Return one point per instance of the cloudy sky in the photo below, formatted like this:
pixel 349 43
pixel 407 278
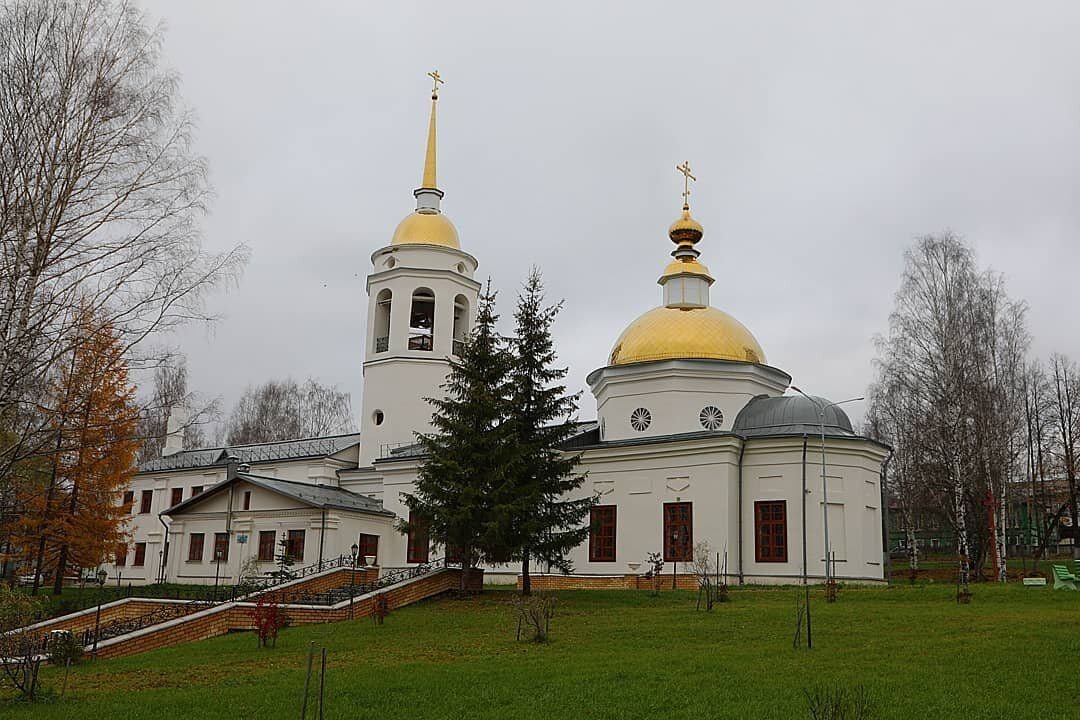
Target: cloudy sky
pixel 825 137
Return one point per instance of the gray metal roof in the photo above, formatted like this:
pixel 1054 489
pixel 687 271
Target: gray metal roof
pixel 790 415
pixel 260 452
pixel 320 496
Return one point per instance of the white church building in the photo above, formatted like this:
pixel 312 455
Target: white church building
pixel 696 439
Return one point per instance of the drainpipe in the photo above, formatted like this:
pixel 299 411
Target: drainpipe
pixel 322 538
pixel 232 466
pixel 742 449
pixel 885 518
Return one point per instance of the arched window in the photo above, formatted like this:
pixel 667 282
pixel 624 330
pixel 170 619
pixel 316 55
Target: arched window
pixel 382 320
pixel 422 319
pixel 461 323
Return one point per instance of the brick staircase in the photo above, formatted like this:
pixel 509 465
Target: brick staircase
pixel 232 616
pixel 135 625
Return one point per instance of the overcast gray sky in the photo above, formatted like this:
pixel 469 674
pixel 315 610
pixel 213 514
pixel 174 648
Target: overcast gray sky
pixel 825 137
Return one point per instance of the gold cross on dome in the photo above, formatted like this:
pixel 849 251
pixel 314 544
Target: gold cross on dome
pixel 687 177
pixel 434 75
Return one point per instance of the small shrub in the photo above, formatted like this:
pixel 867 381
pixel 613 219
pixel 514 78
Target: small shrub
pixel 712 587
pixel 64 648
pixel 837 703
pixel 20 658
pixel 655 571
pixel 380 608
pixel 534 613
pixel 249 571
pixel 269 620
pixel 830 591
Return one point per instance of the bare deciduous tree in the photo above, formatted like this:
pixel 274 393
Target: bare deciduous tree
pixel 171 392
pixel 1042 502
pixel 949 396
pixel 285 410
pixel 1065 406
pixel 100 198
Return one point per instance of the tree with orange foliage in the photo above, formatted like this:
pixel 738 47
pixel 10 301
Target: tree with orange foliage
pixel 74 517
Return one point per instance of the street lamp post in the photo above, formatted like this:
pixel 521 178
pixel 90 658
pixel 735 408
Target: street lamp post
pixel 101 576
pixel 352 586
pixel 822 407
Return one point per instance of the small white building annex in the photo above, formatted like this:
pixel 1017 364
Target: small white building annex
pixel 694 440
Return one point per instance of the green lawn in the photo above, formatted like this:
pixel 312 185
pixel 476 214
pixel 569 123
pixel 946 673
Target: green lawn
pixel 1012 653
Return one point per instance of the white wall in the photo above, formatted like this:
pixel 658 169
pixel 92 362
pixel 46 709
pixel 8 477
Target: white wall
pixel 397 380
pixel 146 527
pixel 270 512
pixel 675 392
pixel 640 478
pixel 772 470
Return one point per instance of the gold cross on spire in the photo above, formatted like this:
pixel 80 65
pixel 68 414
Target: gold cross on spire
pixel 434 75
pixel 687 177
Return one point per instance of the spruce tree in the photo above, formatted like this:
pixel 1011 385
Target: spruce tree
pixel 467 451
pixel 534 515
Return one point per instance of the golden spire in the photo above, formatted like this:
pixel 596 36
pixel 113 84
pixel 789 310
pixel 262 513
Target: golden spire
pixel 429 159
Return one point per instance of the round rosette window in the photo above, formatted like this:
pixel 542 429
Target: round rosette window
pixel 640 419
pixel 711 418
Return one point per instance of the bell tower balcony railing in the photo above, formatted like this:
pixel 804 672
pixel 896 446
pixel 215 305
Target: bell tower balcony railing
pixel 420 342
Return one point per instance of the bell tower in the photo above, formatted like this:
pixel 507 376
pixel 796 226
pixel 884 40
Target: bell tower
pixel 421 306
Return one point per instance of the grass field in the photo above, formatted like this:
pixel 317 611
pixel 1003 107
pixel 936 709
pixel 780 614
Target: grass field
pixel 1012 653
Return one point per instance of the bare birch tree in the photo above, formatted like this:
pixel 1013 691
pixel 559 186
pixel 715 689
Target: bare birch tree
pixel 101 195
pixel 949 395
pixel 100 198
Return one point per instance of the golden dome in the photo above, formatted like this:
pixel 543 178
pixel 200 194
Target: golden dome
pixel 686 229
pixel 691 266
pixel 666 333
pixel 420 228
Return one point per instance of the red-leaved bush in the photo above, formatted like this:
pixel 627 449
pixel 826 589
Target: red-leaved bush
pixel 268 619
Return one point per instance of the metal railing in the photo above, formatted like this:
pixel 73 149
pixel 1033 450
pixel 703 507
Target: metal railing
pixel 196 597
pixel 348 591
pixel 382 344
pixel 288 574
pixel 458 347
pixel 123 626
pixel 387 449
pixel 420 342
pixel 211 596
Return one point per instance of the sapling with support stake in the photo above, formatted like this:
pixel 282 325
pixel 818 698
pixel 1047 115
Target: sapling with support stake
pixel 708 577
pixel 801 606
pixel 655 571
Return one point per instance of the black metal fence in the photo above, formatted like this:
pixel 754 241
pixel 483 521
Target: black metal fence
pixel 350 590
